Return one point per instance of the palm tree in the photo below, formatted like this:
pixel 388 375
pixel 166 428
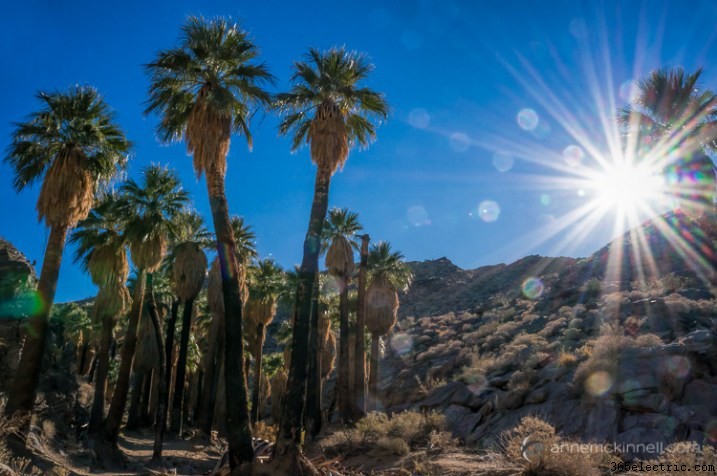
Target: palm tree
pixel 327 109
pixel 102 251
pixel 266 282
pixel 339 239
pixel 150 208
pixel 204 90
pixel 388 274
pixel 245 252
pixel 72 145
pixel 360 371
pixel 189 269
pixel 676 122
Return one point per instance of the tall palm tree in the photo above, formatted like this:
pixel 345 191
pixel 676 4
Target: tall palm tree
pixel 245 252
pixel 327 109
pixel 339 239
pixel 265 285
pixel 675 121
pixel 189 269
pixel 101 250
pixel 204 91
pixel 150 208
pixel 72 145
pixel 387 274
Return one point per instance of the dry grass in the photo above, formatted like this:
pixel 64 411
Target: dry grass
pixel 396 435
pixel 535 446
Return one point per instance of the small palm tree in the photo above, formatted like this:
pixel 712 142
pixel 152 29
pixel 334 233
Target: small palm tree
pixel 101 250
pixel 327 109
pixel 72 145
pixel 339 240
pixel 266 280
pixel 204 91
pixel 189 270
pixel 676 121
pixel 150 208
pixel 387 274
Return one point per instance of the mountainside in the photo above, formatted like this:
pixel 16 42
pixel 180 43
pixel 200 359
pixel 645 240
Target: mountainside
pixel 617 347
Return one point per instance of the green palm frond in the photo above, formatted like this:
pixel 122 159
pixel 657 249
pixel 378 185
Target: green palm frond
pixel 331 76
pixel 76 120
pixel 340 222
pixel 266 279
pixel 213 53
pixel 104 226
pixel 384 262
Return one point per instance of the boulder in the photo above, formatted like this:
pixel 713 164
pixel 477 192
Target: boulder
pixel 640 444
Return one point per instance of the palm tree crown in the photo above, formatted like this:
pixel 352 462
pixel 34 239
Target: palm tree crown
pixel 205 88
pixel 101 242
pixel 669 106
pixel 676 121
pixel 72 143
pixel 153 207
pixel 327 85
pixel 385 263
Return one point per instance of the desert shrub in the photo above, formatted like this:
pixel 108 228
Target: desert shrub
pixel 572 334
pixel 412 426
pixel 397 446
pixel 521 380
pixel 554 325
pixel 263 431
pixel 671 283
pixel 604 354
pixel 476 371
pixel 648 340
pixel 538 449
pixel 567 359
pixel 592 288
pixel 691 455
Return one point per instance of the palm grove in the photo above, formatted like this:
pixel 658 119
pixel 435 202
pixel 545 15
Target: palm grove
pixel 150 366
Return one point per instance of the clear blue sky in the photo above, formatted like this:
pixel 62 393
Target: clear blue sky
pixel 456 73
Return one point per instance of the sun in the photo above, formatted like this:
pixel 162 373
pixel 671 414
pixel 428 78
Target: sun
pixel 629 187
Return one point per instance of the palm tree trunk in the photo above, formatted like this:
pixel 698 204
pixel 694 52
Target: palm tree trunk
pixel 238 425
pixel 207 401
pixel 103 364
pixel 313 392
pixel 119 397
pixel 169 346
pixel 133 414
pixel 83 359
pixel 287 449
pixel 360 371
pixel 21 397
pixel 345 400
pixel 146 404
pixel 176 424
pixel 373 373
pixel 255 413
pixel 160 373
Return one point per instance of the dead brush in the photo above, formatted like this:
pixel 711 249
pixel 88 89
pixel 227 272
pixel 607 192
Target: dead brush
pixel 535 446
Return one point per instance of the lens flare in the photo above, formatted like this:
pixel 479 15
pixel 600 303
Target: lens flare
pixel 598 383
pixel 573 155
pixel 401 343
pixel 502 161
pixel 419 118
pixel 533 288
pixel 417 216
pixel 459 142
pixel 528 119
pixel 489 211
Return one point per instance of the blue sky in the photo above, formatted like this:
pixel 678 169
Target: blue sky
pixel 465 80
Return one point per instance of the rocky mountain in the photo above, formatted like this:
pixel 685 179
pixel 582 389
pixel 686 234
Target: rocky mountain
pixel 618 347
pixel 16 274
